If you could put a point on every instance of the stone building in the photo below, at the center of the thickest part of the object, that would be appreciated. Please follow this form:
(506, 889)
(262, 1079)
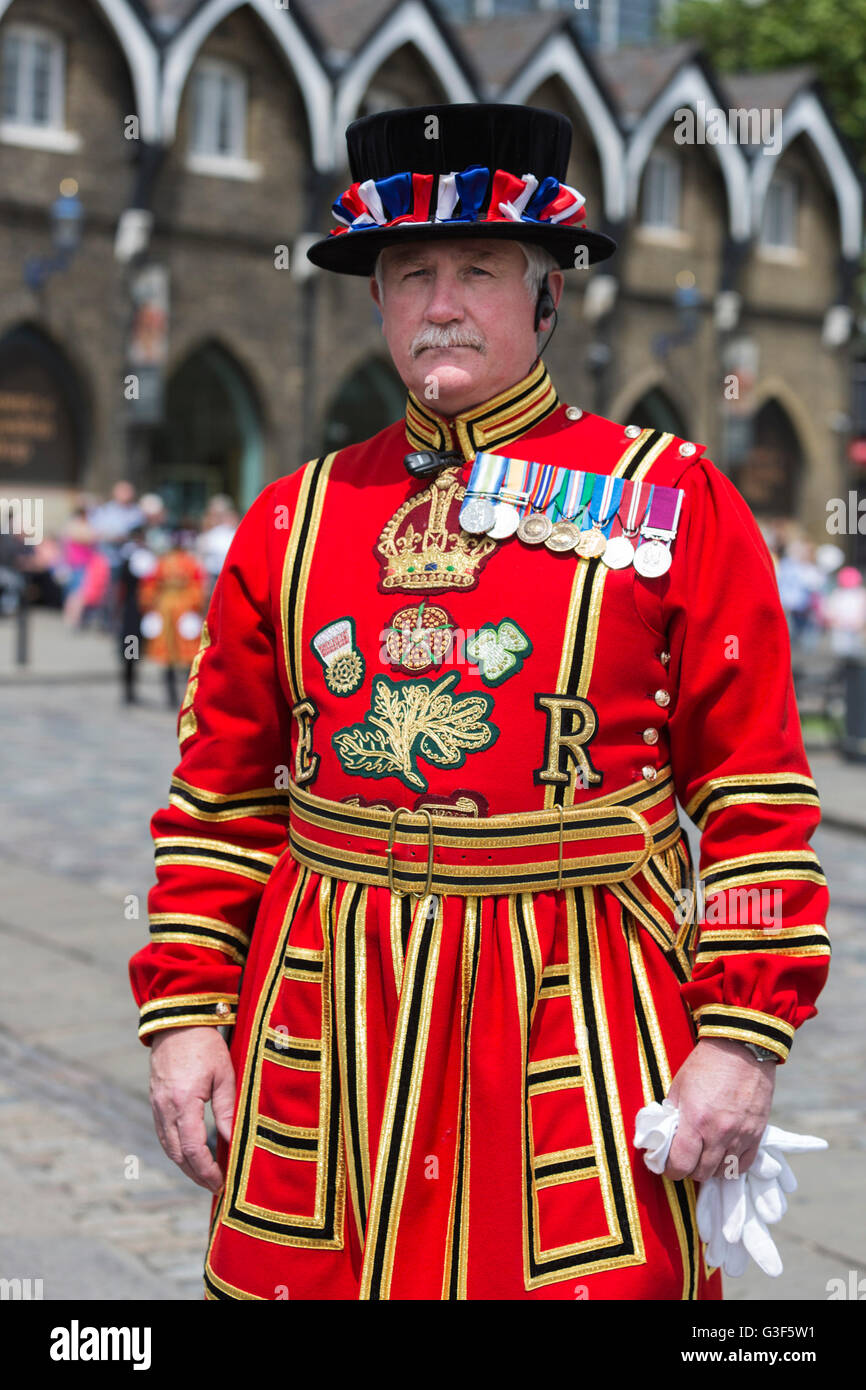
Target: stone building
(186, 152)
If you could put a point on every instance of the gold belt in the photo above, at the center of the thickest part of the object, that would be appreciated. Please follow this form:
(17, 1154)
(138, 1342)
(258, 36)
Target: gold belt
(606, 840)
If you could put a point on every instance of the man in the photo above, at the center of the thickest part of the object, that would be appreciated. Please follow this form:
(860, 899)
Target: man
(470, 966)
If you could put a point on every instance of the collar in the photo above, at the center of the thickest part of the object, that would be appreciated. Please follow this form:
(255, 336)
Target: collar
(486, 426)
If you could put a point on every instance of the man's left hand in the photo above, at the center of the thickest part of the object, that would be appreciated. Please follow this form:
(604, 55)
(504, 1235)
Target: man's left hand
(724, 1096)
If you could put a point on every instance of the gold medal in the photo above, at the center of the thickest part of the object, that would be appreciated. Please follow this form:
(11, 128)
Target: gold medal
(592, 543)
(563, 536)
(534, 528)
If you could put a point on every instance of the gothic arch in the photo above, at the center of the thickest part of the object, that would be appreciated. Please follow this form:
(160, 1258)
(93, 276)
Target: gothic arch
(369, 397)
(560, 56)
(292, 41)
(806, 116)
(688, 86)
(412, 22)
(213, 436)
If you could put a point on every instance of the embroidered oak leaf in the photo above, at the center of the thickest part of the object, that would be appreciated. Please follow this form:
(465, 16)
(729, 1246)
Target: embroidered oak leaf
(416, 719)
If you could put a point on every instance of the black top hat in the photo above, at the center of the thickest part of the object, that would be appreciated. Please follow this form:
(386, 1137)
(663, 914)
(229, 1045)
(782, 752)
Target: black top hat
(471, 169)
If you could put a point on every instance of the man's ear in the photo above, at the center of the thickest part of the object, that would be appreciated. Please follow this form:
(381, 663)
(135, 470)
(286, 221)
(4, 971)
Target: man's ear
(556, 282)
(374, 291)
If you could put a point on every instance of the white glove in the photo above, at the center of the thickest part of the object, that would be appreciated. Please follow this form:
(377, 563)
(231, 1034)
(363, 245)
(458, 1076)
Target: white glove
(733, 1213)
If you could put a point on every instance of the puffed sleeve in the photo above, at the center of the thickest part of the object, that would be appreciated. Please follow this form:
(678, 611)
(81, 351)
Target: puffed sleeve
(742, 776)
(219, 836)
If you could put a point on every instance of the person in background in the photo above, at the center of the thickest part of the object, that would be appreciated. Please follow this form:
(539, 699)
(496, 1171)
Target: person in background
(172, 600)
(218, 526)
(112, 521)
(137, 563)
(157, 528)
(800, 581)
(12, 556)
(843, 611)
(84, 571)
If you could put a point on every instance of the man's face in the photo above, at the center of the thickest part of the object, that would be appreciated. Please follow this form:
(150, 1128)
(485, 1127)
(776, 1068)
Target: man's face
(457, 318)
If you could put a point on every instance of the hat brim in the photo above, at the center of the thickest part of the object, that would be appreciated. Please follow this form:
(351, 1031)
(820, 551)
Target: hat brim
(354, 253)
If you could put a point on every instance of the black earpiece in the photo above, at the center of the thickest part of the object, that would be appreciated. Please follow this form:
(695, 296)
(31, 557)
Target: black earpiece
(544, 304)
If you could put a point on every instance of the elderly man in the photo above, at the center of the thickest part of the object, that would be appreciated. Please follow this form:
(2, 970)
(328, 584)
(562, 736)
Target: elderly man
(470, 683)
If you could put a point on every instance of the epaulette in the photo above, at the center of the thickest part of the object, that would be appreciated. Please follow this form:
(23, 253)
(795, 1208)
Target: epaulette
(660, 457)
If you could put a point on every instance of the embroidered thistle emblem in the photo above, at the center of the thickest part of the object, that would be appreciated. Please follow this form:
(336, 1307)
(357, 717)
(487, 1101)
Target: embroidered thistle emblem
(416, 719)
(498, 650)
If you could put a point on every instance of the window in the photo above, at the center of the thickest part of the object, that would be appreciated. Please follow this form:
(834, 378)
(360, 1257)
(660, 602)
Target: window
(218, 122)
(779, 227)
(32, 89)
(32, 77)
(660, 205)
(219, 110)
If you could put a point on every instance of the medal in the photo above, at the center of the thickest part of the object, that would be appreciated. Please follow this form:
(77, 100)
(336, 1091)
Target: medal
(506, 519)
(653, 556)
(619, 551)
(477, 513)
(564, 535)
(605, 498)
(592, 543)
(506, 516)
(534, 528)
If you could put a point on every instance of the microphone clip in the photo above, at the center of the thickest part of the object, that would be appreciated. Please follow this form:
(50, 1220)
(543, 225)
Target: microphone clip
(426, 462)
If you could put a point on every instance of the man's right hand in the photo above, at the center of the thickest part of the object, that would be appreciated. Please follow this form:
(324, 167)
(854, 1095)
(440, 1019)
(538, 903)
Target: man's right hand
(188, 1067)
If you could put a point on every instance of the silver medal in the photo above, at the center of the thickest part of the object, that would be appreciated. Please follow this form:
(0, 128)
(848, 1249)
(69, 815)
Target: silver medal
(652, 559)
(477, 515)
(618, 553)
(506, 520)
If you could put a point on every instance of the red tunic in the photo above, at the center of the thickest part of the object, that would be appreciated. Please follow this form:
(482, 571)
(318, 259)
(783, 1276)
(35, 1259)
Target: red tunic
(436, 1093)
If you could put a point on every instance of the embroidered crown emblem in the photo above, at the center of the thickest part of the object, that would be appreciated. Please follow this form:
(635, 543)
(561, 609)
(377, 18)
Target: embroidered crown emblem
(423, 546)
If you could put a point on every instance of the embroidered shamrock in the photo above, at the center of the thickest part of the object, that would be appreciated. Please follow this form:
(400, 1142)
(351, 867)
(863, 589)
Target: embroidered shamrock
(498, 650)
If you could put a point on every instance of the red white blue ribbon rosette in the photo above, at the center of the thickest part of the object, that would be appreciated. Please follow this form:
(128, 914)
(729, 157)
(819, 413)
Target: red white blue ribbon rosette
(460, 197)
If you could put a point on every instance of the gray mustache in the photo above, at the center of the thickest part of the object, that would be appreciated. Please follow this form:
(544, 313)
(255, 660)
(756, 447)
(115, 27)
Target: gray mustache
(445, 338)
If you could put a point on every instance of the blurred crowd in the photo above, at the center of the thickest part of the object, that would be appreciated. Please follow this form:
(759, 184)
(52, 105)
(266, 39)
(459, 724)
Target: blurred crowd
(824, 598)
(121, 566)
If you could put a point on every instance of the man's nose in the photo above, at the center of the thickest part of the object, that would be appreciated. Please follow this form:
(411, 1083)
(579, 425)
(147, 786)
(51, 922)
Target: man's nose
(445, 302)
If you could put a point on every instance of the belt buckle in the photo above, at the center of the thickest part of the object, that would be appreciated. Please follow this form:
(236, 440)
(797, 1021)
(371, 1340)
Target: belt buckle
(392, 831)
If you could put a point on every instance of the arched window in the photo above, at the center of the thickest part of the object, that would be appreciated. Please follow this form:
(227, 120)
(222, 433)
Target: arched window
(770, 474)
(212, 437)
(367, 400)
(655, 410)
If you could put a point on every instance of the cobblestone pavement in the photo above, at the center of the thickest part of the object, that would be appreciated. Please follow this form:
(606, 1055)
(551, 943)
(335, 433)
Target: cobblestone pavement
(82, 777)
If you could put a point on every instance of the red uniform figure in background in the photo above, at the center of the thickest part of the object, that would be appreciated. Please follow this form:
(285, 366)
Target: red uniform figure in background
(422, 852)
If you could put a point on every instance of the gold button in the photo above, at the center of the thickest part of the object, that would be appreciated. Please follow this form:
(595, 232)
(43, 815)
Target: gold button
(662, 697)
(650, 735)
(650, 773)
(573, 412)
(632, 431)
(222, 1008)
(664, 658)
